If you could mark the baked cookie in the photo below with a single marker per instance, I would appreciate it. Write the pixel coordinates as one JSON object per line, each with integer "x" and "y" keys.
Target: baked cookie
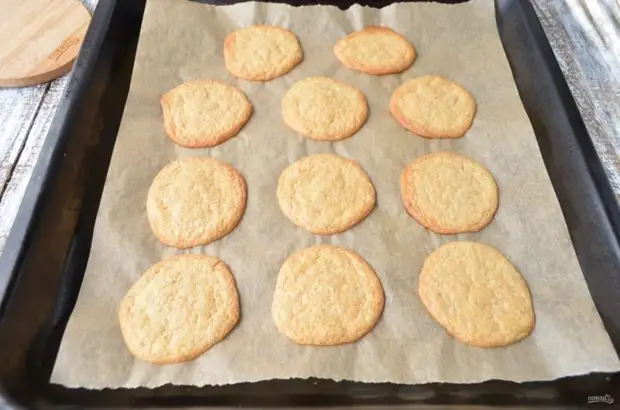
{"x": 433, "y": 107}
{"x": 375, "y": 50}
{"x": 261, "y": 53}
{"x": 449, "y": 193}
{"x": 476, "y": 294}
{"x": 324, "y": 109}
{"x": 326, "y": 295}
{"x": 178, "y": 309}
{"x": 194, "y": 201}
{"x": 325, "y": 193}
{"x": 204, "y": 113}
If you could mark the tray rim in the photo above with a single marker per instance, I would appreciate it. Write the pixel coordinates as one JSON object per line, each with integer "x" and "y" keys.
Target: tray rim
{"x": 82, "y": 73}
{"x": 80, "y": 76}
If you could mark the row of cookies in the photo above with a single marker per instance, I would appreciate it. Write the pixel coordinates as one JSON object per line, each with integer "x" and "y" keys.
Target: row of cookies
{"x": 205, "y": 113}
{"x": 262, "y": 53}
{"x": 197, "y": 200}
{"x": 181, "y": 307}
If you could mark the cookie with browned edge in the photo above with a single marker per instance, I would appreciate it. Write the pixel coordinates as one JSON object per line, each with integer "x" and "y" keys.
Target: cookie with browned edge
{"x": 449, "y": 193}
{"x": 261, "y": 53}
{"x": 325, "y": 194}
{"x": 179, "y": 308}
{"x": 204, "y": 113}
{"x": 326, "y": 295}
{"x": 324, "y": 109}
{"x": 476, "y": 294}
{"x": 194, "y": 201}
{"x": 375, "y": 50}
{"x": 433, "y": 107}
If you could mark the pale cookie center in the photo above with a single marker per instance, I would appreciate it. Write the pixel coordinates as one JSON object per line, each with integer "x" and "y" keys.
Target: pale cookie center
{"x": 327, "y": 108}
{"x": 457, "y": 194}
{"x": 331, "y": 290}
{"x": 208, "y": 111}
{"x": 261, "y": 51}
{"x": 375, "y": 50}
{"x": 435, "y": 106}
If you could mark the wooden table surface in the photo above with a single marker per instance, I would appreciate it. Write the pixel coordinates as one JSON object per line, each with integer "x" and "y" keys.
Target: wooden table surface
{"x": 584, "y": 35}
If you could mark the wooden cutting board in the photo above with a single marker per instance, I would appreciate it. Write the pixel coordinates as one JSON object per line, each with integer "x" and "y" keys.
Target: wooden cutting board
{"x": 39, "y": 39}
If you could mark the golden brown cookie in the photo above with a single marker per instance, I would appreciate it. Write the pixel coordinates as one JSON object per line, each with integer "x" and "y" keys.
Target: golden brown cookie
{"x": 375, "y": 50}
{"x": 261, "y": 53}
{"x": 433, "y": 107}
{"x": 476, "y": 294}
{"x": 325, "y": 193}
{"x": 204, "y": 113}
{"x": 326, "y": 295}
{"x": 324, "y": 109}
{"x": 194, "y": 201}
{"x": 449, "y": 193}
{"x": 179, "y": 308}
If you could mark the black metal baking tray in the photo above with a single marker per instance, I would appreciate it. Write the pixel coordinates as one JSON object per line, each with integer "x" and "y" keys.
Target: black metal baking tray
{"x": 44, "y": 259}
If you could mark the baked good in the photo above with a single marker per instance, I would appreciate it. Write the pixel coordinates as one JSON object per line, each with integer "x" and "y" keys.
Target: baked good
{"x": 326, "y": 295}
{"x": 204, "y": 113}
{"x": 324, "y": 109}
{"x": 195, "y": 200}
{"x": 433, "y": 107}
{"x": 325, "y": 193}
{"x": 375, "y": 50}
{"x": 178, "y": 309}
{"x": 476, "y": 294}
{"x": 449, "y": 193}
{"x": 261, "y": 53}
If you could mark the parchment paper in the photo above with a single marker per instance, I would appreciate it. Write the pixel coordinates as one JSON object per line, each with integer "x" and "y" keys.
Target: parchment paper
{"x": 181, "y": 41}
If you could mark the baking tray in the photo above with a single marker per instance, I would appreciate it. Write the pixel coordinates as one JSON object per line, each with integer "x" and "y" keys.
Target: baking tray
{"x": 46, "y": 253}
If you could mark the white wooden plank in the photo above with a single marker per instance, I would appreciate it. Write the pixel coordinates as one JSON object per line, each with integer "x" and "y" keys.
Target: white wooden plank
{"x": 22, "y": 172}
{"x": 585, "y": 38}
{"x": 18, "y": 108}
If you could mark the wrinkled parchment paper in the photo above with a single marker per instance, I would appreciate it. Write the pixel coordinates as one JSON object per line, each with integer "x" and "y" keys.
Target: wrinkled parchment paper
{"x": 181, "y": 41}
